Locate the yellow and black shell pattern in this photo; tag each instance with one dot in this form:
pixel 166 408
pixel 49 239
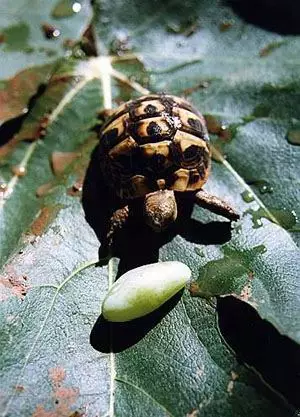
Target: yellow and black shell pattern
pixel 155 142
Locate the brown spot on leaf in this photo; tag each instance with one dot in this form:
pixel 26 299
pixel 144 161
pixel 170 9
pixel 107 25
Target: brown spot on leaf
pixel 60 160
pixel 13 284
pixel 45 216
pixel 19 388
pixel 63 397
pixel 44 189
pixel 16 91
pixel 57 376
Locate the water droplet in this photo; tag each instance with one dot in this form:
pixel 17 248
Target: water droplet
pixel 286 218
pixel 50 32
pixel 293 134
pixel 263 186
pixel 66 8
pixel 19 170
pixel 247 196
pixel 3 187
pixel 76 7
pixel 76 189
pixel 219 127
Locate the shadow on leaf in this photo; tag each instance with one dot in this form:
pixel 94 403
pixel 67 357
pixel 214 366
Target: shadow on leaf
pixel 256 342
pixel 115 337
pixel 281 16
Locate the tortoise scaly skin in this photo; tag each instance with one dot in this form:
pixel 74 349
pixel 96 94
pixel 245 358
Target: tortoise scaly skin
pixel 153 150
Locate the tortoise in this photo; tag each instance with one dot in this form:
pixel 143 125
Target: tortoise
pixel 152 150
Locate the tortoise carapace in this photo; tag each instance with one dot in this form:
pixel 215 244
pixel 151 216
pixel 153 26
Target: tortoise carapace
pixel 152 150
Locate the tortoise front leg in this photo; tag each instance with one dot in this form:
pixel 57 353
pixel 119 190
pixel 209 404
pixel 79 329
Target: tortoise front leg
pixel 116 223
pixel 216 205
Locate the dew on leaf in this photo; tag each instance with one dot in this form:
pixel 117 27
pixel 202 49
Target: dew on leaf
pixel 3 188
pixel 120 45
pixel 247 196
pixel 293 134
pixel 65 8
pixel 76 188
pixel 263 186
pixel 286 218
pixel 50 31
pixel 219 127
pixel 19 170
pixel 228 274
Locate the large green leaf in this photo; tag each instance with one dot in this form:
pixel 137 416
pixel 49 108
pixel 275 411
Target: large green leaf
pixel 52 291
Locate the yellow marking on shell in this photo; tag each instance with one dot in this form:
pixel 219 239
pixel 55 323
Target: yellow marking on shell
pixel 150 149
pixel 117 124
pixel 181 180
pixel 140 186
pixel 140 110
pixel 143 125
pixel 184 115
pixel 184 140
pixel 123 148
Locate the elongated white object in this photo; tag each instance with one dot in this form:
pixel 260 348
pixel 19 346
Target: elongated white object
pixel 142 290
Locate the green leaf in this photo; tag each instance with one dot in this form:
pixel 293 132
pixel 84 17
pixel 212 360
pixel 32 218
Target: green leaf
pixel 51 290
pixel 26 50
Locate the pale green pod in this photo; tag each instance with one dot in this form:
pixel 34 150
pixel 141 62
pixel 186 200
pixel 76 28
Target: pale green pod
pixel 142 290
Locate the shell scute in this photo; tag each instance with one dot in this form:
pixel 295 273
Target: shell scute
pixel 153 142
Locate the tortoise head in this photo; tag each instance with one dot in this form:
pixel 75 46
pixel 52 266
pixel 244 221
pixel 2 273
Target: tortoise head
pixel 160 209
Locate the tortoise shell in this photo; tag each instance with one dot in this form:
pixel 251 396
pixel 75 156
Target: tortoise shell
pixel 155 142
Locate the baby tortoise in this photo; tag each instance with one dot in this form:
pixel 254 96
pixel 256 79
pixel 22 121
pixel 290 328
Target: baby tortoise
pixel 151 151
